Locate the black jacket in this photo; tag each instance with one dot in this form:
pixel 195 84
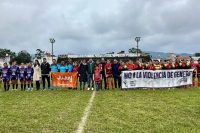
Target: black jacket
pixel 45 68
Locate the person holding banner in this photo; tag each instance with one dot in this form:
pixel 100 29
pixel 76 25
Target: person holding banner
pixel 116 74
pixel 157 65
pixel 193 66
pixel 83 77
pixel 37 74
pixel 70 65
pixel 63 69
pixel 109 75
pixel 54 68
pixel 130 65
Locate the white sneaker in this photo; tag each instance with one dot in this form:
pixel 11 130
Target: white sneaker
pixel 88 89
pixel 92 88
pixel 31 89
pixel 28 89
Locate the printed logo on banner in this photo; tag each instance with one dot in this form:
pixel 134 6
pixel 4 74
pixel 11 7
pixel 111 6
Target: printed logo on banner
pixel 65 78
pixel 182 81
pixel 125 83
pixel 133 83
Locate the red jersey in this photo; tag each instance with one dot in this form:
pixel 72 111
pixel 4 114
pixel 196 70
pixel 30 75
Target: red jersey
pixel 151 67
pixel 130 66
pixel 75 68
pixel 193 65
pixel 168 66
pixel 108 70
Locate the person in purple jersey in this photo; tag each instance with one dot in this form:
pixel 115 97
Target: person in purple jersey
pixel 22 76
pixel 5 74
pixel 29 76
pixel 14 75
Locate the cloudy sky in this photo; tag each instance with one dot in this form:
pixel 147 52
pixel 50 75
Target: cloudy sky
pixel 99 26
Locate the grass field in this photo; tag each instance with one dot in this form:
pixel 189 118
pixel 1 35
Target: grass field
pixel 142 111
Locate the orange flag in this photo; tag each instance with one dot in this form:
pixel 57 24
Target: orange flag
pixel 68 79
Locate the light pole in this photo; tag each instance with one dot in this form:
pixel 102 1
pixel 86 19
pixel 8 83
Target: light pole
pixel 137 39
pixel 52 41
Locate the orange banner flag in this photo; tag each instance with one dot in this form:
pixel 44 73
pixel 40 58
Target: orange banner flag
pixel 68 79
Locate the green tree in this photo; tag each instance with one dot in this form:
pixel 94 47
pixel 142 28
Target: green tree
pixel 197 54
pixel 23 57
pixel 7 52
pixel 134 50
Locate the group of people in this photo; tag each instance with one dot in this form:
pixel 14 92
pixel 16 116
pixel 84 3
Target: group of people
pixel 99 74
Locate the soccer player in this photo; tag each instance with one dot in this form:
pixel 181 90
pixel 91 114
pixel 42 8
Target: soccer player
pixel 54 68
pixel 82 71
pixel 70 65
pixel 14 75
pixel 6 76
pixel 150 66
pixel 109 75
pixel 75 67
pixel 157 65
pixel 97 77
pixel 29 76
pixel 45 69
pixel 130 65
pixel 62 68
pixel 22 76
pixel 193 66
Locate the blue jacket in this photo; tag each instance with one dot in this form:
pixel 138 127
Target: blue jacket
pixel 115 70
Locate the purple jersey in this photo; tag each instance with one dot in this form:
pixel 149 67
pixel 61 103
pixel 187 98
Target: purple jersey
pixel 14 72
pixel 29 72
pixel 22 74
pixel 5 74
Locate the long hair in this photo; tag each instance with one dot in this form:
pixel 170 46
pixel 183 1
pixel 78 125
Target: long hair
pixel 36 63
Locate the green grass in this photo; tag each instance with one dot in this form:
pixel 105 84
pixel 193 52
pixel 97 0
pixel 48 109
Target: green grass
pixel 142 111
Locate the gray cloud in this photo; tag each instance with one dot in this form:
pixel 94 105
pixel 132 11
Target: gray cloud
pixel 86 26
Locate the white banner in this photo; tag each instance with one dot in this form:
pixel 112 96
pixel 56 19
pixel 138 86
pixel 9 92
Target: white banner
pixel 156 79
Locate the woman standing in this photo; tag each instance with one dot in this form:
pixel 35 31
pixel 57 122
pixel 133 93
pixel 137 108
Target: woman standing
pixel 37 74
pixel 82 71
pixel 109 75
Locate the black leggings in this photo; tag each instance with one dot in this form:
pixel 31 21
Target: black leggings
pixel 48 80
pixel 37 85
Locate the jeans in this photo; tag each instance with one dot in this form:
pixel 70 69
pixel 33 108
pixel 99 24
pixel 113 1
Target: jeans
pixel 98 86
pixel 90 79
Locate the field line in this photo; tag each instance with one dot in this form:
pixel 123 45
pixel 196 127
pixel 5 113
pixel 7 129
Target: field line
pixel 86 113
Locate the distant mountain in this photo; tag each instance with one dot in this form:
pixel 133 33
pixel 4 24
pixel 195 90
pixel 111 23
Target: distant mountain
pixel 164 55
